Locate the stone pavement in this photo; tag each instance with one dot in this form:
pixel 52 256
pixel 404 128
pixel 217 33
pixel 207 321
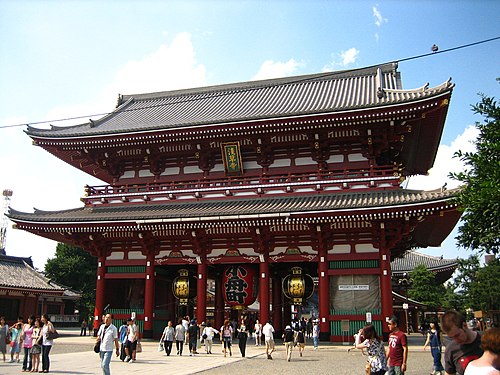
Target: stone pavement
pixel 72 354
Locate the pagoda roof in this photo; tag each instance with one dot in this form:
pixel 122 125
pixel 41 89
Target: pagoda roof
pixel 411 259
pixel 17 275
pixel 385 204
pixel 315 94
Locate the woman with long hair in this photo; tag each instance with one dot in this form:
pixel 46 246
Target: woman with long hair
pixel 36 349
pixel 227 333
pixel 46 343
pixel 434 337
pixel 377 363
pixel 28 342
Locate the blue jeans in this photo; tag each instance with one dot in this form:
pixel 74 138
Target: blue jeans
pixel 27 359
pixel 315 341
pixel 436 355
pixel 105 360
pixel 45 357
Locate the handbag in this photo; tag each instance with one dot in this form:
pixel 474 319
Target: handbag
pixel 97 347
pixel 138 348
pixel 160 347
pixel 52 335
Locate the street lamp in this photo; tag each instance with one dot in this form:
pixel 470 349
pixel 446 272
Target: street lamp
pixel 406 282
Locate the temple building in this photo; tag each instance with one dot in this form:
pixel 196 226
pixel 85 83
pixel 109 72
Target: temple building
pixel 258 187
pixel 24 291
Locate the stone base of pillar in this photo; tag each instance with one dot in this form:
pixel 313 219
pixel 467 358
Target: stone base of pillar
pixel 324 336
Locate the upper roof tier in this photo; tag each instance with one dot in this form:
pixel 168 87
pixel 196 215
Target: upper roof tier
pixel 315 94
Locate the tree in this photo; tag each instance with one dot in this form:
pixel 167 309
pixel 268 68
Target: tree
pixel 484 293
pixel 480 196
pixel 76 269
pixel 424 287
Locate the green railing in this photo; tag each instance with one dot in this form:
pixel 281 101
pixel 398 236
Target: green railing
pixel 354 327
pixel 353 264
pixel 354 312
pixel 126 269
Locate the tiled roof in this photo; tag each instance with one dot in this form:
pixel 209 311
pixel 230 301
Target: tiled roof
pixel 15 273
pixel 224 208
pixel 411 259
pixel 323 93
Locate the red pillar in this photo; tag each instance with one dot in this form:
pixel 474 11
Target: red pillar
pixel 219 302
pixel 385 283
pixel 277 305
pixel 99 291
pixel 149 296
pixel 264 288
pixel 201 290
pixel 323 289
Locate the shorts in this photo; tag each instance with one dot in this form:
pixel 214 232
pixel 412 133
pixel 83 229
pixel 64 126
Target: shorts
pixel 132 345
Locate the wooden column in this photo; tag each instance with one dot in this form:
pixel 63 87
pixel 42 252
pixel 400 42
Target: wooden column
pixel 323 288
pixel 149 295
pixel 201 289
pixel 385 282
pixel 264 288
pixel 99 291
pixel 219 302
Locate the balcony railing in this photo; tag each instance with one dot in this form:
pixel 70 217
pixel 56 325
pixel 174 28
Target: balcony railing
pixel 376 177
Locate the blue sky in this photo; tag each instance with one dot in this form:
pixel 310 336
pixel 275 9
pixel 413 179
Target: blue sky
pixel 62 59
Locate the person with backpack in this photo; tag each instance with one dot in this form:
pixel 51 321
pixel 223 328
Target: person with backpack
pixel 289 338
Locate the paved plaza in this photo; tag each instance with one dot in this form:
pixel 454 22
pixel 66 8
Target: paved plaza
pixel 73 355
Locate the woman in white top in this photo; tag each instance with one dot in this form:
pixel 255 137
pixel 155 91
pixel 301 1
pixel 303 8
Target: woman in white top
pixel 36 349
pixel 46 343
pixel 489 362
pixel 208 336
pixel 258 332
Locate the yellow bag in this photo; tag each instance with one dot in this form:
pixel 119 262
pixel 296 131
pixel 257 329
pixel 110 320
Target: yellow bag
pixel 368 368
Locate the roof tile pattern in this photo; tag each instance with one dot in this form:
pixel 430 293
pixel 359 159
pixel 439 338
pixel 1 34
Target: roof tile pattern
pixel 216 208
pixel 411 259
pixel 16 273
pixel 250 101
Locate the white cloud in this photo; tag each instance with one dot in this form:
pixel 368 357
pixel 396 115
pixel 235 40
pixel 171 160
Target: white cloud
pixel 342 59
pixel 40 180
pixel 446 163
pixel 276 69
pixel 379 19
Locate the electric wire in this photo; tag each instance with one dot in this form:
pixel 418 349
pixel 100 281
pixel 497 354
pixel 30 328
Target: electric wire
pixel 304 79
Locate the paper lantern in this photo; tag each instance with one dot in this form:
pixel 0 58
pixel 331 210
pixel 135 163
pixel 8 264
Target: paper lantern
pixel 239 284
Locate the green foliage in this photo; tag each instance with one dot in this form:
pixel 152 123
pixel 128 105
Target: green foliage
pixel 480 197
pixel 76 269
pixel 424 287
pixel 484 293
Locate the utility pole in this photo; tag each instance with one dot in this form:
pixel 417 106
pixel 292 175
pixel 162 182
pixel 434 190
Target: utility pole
pixel 7 194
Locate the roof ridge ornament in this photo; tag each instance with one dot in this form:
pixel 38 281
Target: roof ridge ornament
pixel 380 81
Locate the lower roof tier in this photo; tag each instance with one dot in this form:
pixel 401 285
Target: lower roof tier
pixel 413 219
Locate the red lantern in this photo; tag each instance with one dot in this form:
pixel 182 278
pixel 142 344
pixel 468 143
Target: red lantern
pixel 239 284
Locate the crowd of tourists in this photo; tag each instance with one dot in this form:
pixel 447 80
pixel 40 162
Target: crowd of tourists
pixel 468 352
pixel 33 339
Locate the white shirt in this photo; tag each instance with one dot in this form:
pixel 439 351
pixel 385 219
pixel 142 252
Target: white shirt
pixel 108 337
pixel 268 331
pixel 484 370
pixel 132 330
pixel 45 330
pixel 210 332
